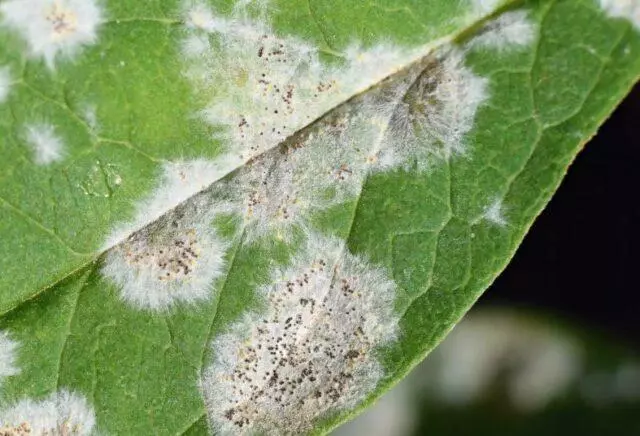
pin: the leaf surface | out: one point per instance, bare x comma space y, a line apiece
423, 140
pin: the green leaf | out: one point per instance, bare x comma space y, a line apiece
252, 217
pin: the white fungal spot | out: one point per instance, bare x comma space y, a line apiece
5, 83
47, 147
199, 16
61, 413
90, 116
8, 357
484, 7
53, 27
175, 259
195, 45
510, 30
494, 213
263, 87
284, 187
434, 117
311, 352
169, 253
629, 9
179, 182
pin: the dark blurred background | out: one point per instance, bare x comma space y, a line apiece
581, 258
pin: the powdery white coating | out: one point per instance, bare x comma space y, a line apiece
311, 351
5, 83
179, 182
8, 356
53, 28
176, 259
415, 118
509, 31
169, 252
47, 147
197, 15
61, 413
314, 171
484, 7
90, 116
629, 9
433, 119
263, 87
494, 213
418, 116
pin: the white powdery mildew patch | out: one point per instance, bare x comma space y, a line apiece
310, 353
418, 117
175, 259
47, 147
53, 27
265, 87
433, 119
61, 413
179, 182
314, 171
629, 9
5, 83
8, 356
494, 213
484, 7
510, 30
169, 253
89, 114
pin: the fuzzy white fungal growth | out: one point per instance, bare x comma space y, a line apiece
418, 117
510, 30
264, 87
179, 182
5, 83
312, 172
484, 7
53, 27
310, 353
8, 357
169, 252
434, 117
629, 9
494, 213
176, 259
90, 116
61, 413
199, 16
47, 147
